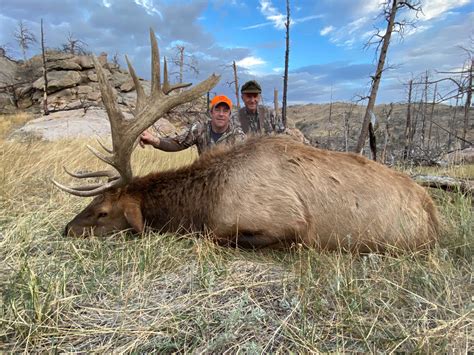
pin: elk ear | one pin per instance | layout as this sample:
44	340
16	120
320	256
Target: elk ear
134	217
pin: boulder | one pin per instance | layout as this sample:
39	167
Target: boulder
66	125
63	65
8	70
6	103
58	80
24	90
84	90
85	61
118	78
25	102
127	86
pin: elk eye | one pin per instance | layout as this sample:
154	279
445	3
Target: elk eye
102	215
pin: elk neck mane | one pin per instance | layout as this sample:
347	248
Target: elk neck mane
185	197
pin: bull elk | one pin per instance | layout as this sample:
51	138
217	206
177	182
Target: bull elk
267	191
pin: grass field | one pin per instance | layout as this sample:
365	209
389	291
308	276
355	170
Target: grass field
166	294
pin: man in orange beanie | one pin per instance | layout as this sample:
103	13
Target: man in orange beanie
218	130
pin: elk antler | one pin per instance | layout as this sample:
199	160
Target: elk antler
125	131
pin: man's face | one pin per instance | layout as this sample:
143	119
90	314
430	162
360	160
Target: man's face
220	116
251	101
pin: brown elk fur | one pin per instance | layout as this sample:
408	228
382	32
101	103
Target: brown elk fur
274	191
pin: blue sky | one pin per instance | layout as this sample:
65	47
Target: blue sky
327	57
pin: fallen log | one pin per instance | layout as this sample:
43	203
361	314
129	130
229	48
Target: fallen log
446	183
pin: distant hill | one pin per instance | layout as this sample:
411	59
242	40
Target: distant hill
315	122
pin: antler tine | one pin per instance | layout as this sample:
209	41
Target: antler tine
101	156
107	149
167	88
155	66
122	141
89	190
108	173
141	97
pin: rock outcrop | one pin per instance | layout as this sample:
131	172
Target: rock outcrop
72	82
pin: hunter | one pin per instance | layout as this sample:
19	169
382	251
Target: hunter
255	118
205	135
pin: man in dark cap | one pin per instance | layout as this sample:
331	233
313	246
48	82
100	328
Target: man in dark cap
255	118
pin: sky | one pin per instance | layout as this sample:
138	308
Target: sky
328	57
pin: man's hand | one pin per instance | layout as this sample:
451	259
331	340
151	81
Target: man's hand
147	138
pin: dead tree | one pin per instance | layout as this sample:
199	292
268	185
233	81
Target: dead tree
287	58
390	12
45	75
24	37
74	46
347	119
184	63
433	104
236	84
467	105
424	102
387	135
408	126
329	124
275	101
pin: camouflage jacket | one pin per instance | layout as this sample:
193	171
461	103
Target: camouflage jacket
264	121
199	134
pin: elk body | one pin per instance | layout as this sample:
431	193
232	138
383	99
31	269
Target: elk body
267	191
274	191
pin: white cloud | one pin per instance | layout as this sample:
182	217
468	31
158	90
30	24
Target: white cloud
257	26
276	18
326	30
250	62
149	7
436	8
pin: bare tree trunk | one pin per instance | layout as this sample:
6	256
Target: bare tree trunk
376	79
275	101
328	145
347	118
287	57
236	84
433	103
181	63
453	129
424	112
346	131
467	106
45	76
387	135
406	151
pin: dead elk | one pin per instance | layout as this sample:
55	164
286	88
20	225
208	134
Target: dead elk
270	191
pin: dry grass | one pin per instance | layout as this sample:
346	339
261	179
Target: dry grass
9	122
166	294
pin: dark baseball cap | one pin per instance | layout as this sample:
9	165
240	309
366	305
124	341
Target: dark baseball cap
251	87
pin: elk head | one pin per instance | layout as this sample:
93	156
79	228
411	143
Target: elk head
113	209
